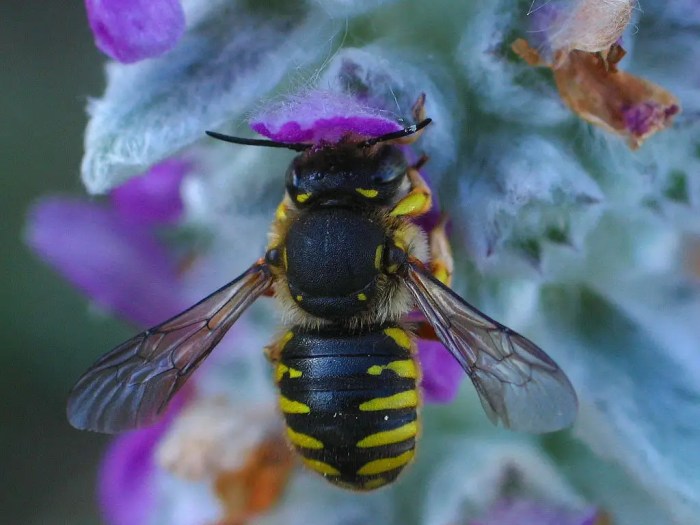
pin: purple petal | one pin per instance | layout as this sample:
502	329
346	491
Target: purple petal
543	20
131	30
442	374
642	118
125	492
153	198
322	116
121	267
528	512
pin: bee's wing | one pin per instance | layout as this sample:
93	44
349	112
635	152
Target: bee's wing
517	382
130	386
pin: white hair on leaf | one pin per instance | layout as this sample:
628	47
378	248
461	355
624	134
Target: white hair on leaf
153	109
499	84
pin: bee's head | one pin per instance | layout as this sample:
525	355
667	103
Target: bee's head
345	173
352	171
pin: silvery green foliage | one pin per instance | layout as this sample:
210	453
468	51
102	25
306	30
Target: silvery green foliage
309	499
493	464
501	83
343	8
183	502
234	192
602	481
560	230
532	195
640	385
222	66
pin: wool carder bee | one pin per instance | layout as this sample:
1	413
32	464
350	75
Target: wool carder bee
347	262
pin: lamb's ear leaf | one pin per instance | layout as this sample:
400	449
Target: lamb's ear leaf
630	348
228	60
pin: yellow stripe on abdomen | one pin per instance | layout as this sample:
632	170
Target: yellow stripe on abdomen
293	407
388	437
401	367
283	369
407	399
384	465
303	440
321	467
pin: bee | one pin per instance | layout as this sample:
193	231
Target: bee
347	262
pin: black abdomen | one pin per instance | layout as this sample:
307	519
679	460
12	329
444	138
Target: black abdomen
350	403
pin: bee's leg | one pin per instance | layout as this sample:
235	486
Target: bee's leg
441	266
282	215
441	262
273	351
418	111
418	200
424	330
274	256
419	108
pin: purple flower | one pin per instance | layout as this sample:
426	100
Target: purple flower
123	268
153	198
112	254
528	512
644	117
322	116
125	483
442	374
131	30
99	248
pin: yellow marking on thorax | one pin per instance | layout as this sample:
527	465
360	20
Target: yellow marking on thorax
303	440
406	399
361	297
284	369
299	298
293	407
370	194
399	336
414	204
387	437
303	197
402	368
320	466
378	257
384	465
284	259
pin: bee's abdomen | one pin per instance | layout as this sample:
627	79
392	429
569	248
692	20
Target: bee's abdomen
350	403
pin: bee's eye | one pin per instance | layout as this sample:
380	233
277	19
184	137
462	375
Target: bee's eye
292	177
391	167
388	174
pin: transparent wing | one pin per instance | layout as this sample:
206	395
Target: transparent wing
518	383
131	385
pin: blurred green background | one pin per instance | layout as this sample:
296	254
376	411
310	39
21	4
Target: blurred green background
48	68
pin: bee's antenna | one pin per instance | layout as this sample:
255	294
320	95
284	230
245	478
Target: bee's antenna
296	146
405	132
